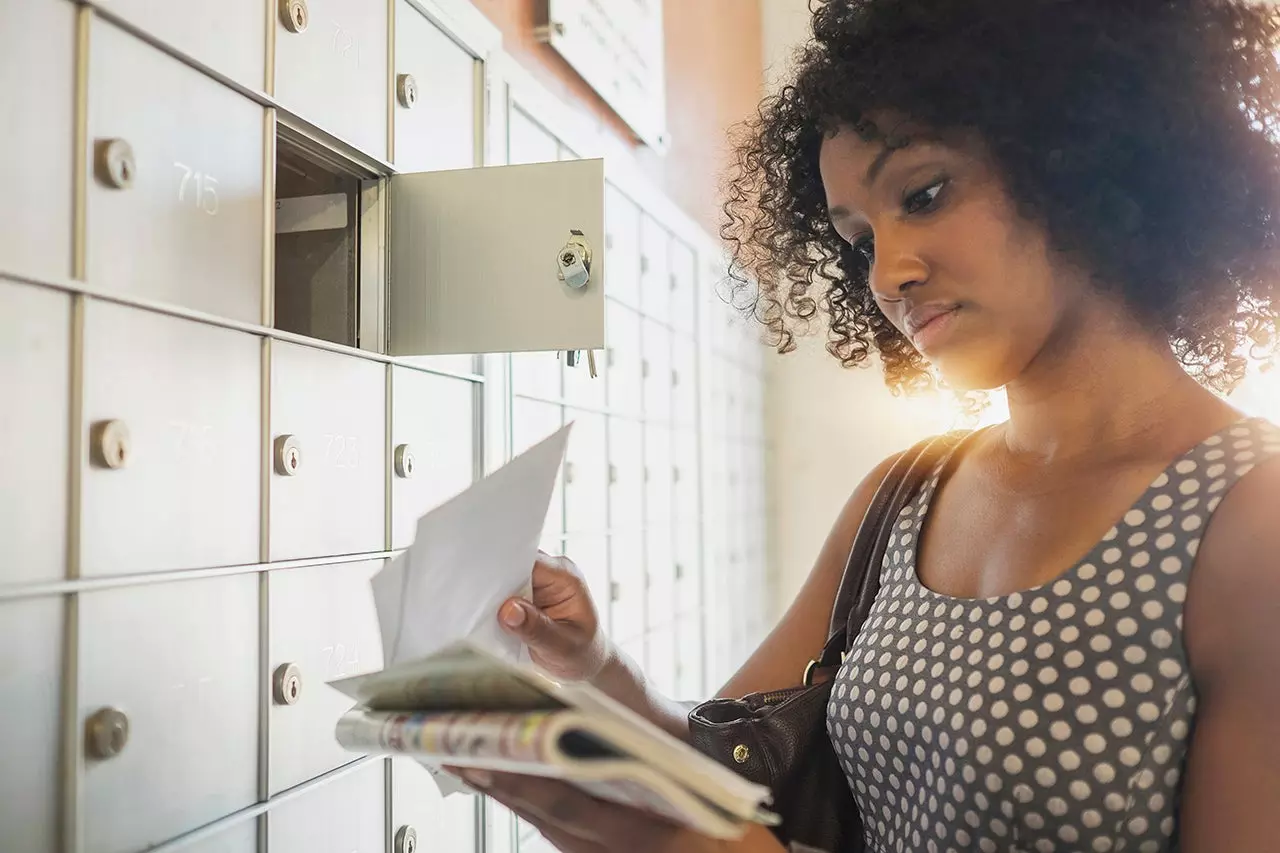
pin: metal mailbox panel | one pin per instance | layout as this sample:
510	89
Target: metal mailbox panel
622	360
583	389
181	661
536	374
436	129
323	627
444	824
187	226
590	553
687	553
656	372
343	815
510	227
528	141
37	43
627	474
333	406
531	422
684	473
334	72
30	691
622	225
660	577
655	275
690	666
35	349
658	484
684	382
627	582
187	495
240	838
433	447
684	287
226	35
586	476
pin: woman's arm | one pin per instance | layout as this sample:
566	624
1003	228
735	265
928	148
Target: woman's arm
556	636
1231	798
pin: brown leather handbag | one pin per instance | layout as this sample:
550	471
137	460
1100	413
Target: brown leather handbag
779	739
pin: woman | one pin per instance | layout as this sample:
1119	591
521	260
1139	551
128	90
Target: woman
1076	645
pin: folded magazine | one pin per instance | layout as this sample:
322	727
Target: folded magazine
466	708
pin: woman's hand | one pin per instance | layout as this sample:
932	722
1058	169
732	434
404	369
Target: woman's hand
576	822
560	625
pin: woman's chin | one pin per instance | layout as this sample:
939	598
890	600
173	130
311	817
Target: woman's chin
968	374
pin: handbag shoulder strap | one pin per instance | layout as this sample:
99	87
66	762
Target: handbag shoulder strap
861	580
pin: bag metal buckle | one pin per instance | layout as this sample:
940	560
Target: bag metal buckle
807	680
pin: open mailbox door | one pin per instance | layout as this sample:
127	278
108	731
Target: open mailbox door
498	259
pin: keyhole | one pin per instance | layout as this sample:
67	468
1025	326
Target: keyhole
117	738
566	259
408	465
293	689
293	461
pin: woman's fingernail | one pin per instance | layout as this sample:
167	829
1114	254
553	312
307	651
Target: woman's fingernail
513	615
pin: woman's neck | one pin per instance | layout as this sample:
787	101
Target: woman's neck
1103	387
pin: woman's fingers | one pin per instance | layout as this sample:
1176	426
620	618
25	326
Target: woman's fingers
574	817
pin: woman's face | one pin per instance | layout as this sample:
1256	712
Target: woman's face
953	267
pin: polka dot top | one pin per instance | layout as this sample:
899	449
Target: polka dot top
1053	719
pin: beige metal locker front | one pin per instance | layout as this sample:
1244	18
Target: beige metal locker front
435	96
31	646
329	460
323	627
168	704
37	42
35	353
175	191
433	445
418	811
172	443
331	68
228	36
347	814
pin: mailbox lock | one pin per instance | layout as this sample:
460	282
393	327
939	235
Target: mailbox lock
106	733
407	90
294	15
287	684
406	839
574	261
405	463
288	455
110	443
114	164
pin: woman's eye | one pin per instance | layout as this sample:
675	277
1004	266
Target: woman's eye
924	199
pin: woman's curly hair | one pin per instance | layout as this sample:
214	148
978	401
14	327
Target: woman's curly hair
1141	134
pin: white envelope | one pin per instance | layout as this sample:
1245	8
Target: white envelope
469	555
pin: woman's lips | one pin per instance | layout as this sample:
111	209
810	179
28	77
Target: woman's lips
929	324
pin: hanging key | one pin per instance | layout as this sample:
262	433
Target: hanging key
591	362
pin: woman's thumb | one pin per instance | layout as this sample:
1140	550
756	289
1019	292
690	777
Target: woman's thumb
531	625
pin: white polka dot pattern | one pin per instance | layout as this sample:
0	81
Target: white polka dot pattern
1053	719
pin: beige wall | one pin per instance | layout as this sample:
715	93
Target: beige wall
713	81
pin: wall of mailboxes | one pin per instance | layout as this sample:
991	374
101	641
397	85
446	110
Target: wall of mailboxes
209	446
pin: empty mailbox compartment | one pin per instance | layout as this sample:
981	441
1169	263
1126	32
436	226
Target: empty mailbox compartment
317	283
488	259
